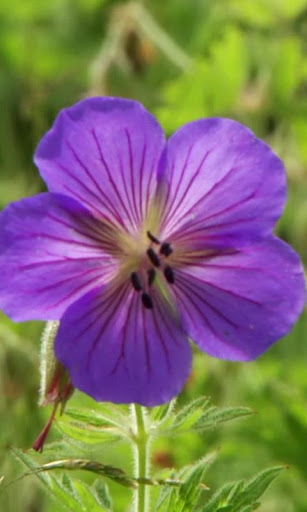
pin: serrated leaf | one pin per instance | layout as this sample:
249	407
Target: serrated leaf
255	487
236	490
216	415
218	501
235	497
69	486
162	412
91	427
102	494
54	487
190	490
23	457
90	502
107	415
185	497
189	415
86	434
199	415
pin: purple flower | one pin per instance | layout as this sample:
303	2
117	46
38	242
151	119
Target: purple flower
143	244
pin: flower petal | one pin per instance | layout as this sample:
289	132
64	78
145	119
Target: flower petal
221	185
117	350
52	251
104	152
236	304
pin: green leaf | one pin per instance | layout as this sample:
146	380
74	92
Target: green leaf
216	415
89	499
186	496
189	492
255	487
161	413
69	486
102	494
55	488
242	496
199	415
186	417
92	427
218	502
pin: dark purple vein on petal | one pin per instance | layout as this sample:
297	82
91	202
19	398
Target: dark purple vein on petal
183	285
180	202
111	306
74	277
202	315
152	174
201	282
179	183
60	239
91	234
141	206
123	341
133	178
205	196
183	231
110	177
160	336
122	173
100	215
107	202
146	340
73	292
166	320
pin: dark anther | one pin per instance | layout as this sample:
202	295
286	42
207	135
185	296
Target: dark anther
135	280
151	276
169	274
147	301
154	258
166	249
153	238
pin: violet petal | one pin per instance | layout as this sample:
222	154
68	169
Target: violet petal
104	152
236	304
52	251
221	186
117	350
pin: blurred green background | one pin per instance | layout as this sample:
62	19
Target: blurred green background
184	59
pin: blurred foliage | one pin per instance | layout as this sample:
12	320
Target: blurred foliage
183	60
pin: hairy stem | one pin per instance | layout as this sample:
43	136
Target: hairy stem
141	458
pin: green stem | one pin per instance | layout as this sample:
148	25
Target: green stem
141	458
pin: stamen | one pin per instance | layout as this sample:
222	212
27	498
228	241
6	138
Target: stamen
169	274
153	238
135	280
151	276
147	301
166	249
154	258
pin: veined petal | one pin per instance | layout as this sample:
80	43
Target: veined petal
236	304
52	251
221	186
117	350
104	152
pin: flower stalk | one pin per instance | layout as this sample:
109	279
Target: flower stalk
141	458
